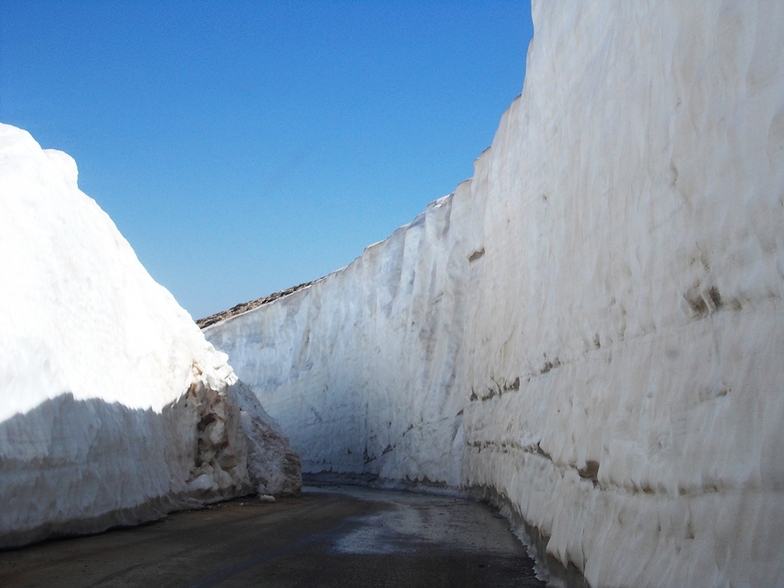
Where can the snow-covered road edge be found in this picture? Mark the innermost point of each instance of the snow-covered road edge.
(113, 407)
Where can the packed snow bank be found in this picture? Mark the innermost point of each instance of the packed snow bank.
(113, 407)
(592, 328)
(360, 367)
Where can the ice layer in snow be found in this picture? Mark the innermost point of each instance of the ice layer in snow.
(113, 407)
(591, 327)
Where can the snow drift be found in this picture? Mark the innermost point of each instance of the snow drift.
(591, 328)
(113, 407)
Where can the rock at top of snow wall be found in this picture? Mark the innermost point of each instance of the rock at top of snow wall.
(591, 329)
(113, 407)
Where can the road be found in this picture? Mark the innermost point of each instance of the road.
(336, 536)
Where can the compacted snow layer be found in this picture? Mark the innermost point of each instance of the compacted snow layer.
(113, 407)
(361, 366)
(592, 327)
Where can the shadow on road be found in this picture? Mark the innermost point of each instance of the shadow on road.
(330, 536)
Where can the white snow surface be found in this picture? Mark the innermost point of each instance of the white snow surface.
(592, 326)
(113, 407)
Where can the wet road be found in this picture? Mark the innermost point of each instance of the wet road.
(347, 537)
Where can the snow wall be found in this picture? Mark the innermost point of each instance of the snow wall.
(592, 326)
(113, 407)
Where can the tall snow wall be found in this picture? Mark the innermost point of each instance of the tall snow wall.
(592, 326)
(114, 409)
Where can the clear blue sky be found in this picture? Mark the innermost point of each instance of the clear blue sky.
(245, 147)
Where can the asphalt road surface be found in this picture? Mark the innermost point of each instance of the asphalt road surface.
(338, 536)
